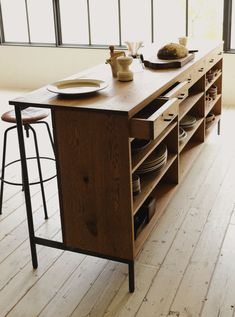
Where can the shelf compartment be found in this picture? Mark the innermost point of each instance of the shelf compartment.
(212, 124)
(139, 157)
(211, 105)
(214, 80)
(149, 181)
(190, 133)
(187, 156)
(188, 103)
(163, 194)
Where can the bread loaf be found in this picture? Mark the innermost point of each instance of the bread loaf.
(172, 51)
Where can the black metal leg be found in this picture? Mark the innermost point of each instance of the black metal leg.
(50, 135)
(131, 276)
(26, 188)
(39, 172)
(3, 164)
(218, 128)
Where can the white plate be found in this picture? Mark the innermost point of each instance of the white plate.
(77, 86)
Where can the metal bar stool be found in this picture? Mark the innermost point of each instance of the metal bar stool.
(30, 116)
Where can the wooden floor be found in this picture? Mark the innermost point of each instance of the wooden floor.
(186, 269)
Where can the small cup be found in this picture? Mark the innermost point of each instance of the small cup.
(183, 40)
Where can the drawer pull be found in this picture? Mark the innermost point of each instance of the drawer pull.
(189, 80)
(181, 96)
(220, 53)
(170, 117)
(201, 69)
(212, 60)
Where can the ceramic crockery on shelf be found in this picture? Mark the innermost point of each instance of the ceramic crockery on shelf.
(213, 91)
(210, 75)
(139, 144)
(136, 184)
(182, 134)
(188, 122)
(124, 73)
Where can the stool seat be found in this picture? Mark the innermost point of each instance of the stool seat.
(29, 115)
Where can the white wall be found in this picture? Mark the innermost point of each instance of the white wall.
(33, 67)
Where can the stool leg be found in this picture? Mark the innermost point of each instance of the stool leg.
(39, 172)
(3, 165)
(49, 133)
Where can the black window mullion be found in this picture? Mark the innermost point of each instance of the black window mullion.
(186, 17)
(152, 21)
(119, 22)
(27, 20)
(57, 22)
(89, 21)
(2, 36)
(227, 24)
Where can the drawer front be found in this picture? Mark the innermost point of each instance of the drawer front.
(149, 128)
(199, 71)
(214, 57)
(179, 91)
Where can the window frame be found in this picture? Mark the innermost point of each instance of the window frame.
(58, 29)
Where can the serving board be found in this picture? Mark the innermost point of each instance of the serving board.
(156, 63)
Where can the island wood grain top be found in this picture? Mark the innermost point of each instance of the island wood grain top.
(125, 97)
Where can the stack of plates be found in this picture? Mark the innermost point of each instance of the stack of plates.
(188, 122)
(138, 145)
(182, 134)
(209, 119)
(136, 184)
(155, 162)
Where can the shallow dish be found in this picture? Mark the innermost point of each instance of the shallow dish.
(77, 86)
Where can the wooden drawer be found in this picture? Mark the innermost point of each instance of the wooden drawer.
(199, 71)
(179, 90)
(214, 57)
(154, 118)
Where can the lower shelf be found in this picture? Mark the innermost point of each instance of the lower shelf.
(212, 125)
(187, 156)
(163, 194)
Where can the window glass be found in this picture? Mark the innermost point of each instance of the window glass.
(104, 21)
(74, 21)
(14, 20)
(136, 20)
(206, 19)
(41, 21)
(169, 20)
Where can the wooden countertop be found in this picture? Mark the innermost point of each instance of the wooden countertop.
(123, 97)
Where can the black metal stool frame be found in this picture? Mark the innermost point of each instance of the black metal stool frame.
(27, 127)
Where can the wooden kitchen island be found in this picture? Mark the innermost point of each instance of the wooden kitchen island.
(95, 164)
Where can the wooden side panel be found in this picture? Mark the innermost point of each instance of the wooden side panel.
(94, 181)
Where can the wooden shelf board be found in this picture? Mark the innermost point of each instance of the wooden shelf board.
(187, 156)
(149, 181)
(188, 103)
(211, 105)
(213, 124)
(190, 133)
(164, 193)
(213, 81)
(138, 158)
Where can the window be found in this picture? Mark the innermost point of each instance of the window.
(104, 22)
(229, 26)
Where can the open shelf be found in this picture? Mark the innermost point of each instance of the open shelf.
(139, 157)
(163, 194)
(211, 104)
(148, 182)
(188, 155)
(188, 103)
(190, 133)
(213, 124)
(214, 80)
